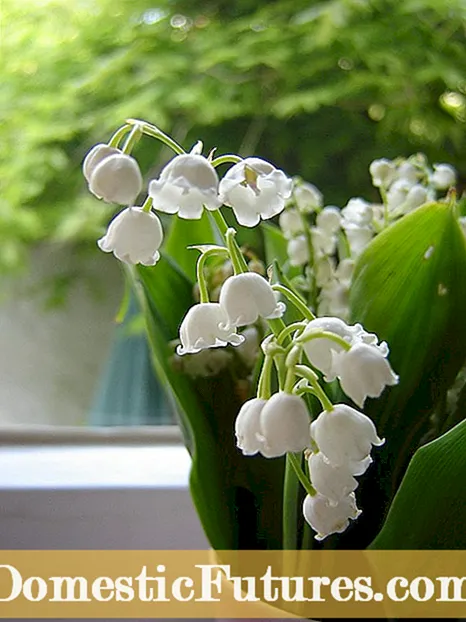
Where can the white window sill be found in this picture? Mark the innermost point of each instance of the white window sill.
(35, 467)
(97, 497)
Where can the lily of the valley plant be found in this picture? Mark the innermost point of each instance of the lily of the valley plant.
(311, 369)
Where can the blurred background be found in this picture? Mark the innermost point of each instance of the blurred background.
(320, 88)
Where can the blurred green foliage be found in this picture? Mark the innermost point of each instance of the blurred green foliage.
(320, 88)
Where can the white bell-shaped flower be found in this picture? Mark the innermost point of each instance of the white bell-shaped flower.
(357, 212)
(245, 297)
(324, 270)
(407, 172)
(329, 219)
(298, 251)
(332, 482)
(319, 350)
(95, 156)
(255, 189)
(345, 436)
(308, 197)
(344, 271)
(115, 178)
(326, 518)
(291, 223)
(323, 242)
(334, 300)
(284, 425)
(383, 172)
(205, 326)
(443, 177)
(358, 238)
(134, 236)
(186, 185)
(363, 371)
(247, 427)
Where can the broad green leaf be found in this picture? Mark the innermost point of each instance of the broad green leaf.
(165, 298)
(429, 510)
(409, 288)
(186, 233)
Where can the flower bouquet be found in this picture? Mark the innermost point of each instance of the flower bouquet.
(314, 353)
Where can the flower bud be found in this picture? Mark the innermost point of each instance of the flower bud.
(363, 371)
(247, 296)
(345, 436)
(308, 197)
(115, 179)
(329, 220)
(134, 236)
(326, 518)
(291, 223)
(284, 425)
(383, 172)
(254, 189)
(443, 177)
(186, 184)
(298, 251)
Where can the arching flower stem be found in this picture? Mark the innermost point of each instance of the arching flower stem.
(228, 158)
(312, 378)
(295, 301)
(132, 140)
(119, 135)
(264, 388)
(323, 334)
(154, 132)
(294, 460)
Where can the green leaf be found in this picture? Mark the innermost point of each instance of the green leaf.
(275, 244)
(409, 288)
(165, 298)
(428, 511)
(184, 235)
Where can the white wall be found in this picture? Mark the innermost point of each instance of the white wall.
(50, 361)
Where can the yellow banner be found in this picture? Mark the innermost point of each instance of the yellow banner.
(232, 584)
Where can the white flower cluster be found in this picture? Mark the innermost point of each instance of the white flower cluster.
(328, 243)
(338, 443)
(253, 188)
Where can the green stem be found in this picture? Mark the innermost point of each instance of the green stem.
(147, 205)
(132, 139)
(323, 334)
(203, 291)
(290, 506)
(291, 328)
(119, 135)
(311, 262)
(295, 301)
(291, 360)
(264, 389)
(235, 253)
(302, 477)
(154, 132)
(308, 374)
(226, 159)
